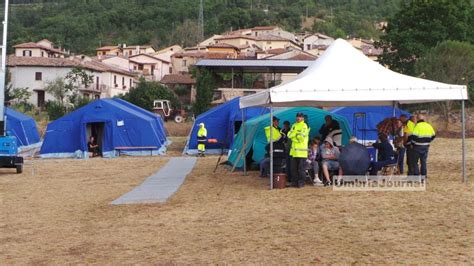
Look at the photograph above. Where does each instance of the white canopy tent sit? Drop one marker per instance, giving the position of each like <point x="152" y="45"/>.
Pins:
<point x="344" y="76"/>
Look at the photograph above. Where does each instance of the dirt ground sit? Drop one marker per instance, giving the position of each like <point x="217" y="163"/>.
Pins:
<point x="61" y="214"/>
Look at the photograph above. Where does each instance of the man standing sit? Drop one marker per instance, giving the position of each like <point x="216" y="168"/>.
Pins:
<point x="407" y="132"/>
<point x="328" y="127"/>
<point x="400" y="143"/>
<point x="423" y="134"/>
<point x="299" y="135"/>
<point x="278" y="148"/>
<point x="202" y="139"/>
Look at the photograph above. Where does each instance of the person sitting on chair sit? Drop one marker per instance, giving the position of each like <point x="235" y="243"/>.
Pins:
<point x="386" y="154"/>
<point x="93" y="147"/>
<point x="312" y="161"/>
<point x="330" y="155"/>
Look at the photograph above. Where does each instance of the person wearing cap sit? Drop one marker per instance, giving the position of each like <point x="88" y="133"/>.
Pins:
<point x="328" y="127"/>
<point x="299" y="135"/>
<point x="407" y="132"/>
<point x="330" y="155"/>
<point x="278" y="149"/>
<point x="423" y="134"/>
<point x="386" y="154"/>
<point x="202" y="139"/>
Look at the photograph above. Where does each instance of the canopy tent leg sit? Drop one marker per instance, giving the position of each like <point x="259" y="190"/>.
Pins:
<point x="271" y="147"/>
<point x="394" y="106"/>
<point x="245" y="140"/>
<point x="463" y="125"/>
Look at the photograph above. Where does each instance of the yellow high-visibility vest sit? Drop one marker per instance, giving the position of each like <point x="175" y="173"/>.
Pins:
<point x="276" y="134"/>
<point x="299" y="135"/>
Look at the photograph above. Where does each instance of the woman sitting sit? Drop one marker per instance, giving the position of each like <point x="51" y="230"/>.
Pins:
<point x="312" y="163"/>
<point x="386" y="154"/>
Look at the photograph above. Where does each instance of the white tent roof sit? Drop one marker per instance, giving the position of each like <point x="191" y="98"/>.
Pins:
<point x="344" y="76"/>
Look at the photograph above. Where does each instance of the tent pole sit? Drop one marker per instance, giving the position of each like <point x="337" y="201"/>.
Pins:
<point x="271" y="146"/>
<point x="394" y="105"/>
<point x="463" y="125"/>
<point x="245" y="141"/>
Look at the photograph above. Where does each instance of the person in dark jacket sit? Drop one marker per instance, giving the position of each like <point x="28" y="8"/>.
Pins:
<point x="386" y="154"/>
<point x="328" y="127"/>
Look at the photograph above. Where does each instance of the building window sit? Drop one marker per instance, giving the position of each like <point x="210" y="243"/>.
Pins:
<point x="308" y="47"/>
<point x="38" y="76"/>
<point x="171" y="70"/>
<point x="97" y="83"/>
<point x="130" y="83"/>
<point x="27" y="53"/>
<point x="184" y="62"/>
<point x="97" y="96"/>
<point x="42" y="54"/>
<point x="86" y="95"/>
<point x="140" y="67"/>
<point x="115" y="80"/>
<point x="123" y="82"/>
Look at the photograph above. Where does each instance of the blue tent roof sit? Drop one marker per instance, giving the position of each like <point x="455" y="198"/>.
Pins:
<point x="222" y="123"/>
<point x="124" y="125"/>
<point x="363" y="120"/>
<point x="255" y="133"/>
<point x="22" y="127"/>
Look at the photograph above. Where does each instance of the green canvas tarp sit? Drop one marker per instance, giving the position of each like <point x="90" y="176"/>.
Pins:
<point x="255" y="135"/>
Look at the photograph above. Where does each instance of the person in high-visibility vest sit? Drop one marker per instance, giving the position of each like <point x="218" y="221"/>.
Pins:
<point x="423" y="134"/>
<point x="299" y="135"/>
<point x="278" y="149"/>
<point x="407" y="132"/>
<point x="202" y="139"/>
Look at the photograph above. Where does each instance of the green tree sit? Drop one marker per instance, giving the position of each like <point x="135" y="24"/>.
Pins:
<point x="419" y="26"/>
<point x="146" y="92"/>
<point x="205" y="86"/>
<point x="59" y="89"/>
<point x="450" y="62"/>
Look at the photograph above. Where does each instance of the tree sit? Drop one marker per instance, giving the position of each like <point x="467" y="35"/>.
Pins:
<point x="419" y="26"/>
<point x="20" y="95"/>
<point x="205" y="86"/>
<point x="450" y="62"/>
<point x="146" y="92"/>
<point x="59" y="89"/>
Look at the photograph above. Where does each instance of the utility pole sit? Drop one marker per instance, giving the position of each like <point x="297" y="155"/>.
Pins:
<point x="201" y="21"/>
<point x="3" y="71"/>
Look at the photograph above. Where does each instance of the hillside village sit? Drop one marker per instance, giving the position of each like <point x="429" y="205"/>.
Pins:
<point x="117" y="68"/>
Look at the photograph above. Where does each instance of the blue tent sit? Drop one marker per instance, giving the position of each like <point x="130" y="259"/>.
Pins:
<point x="114" y="123"/>
<point x="22" y="127"/>
<point x="162" y="135"/>
<point x="255" y="133"/>
<point x="363" y="120"/>
<point x="222" y="123"/>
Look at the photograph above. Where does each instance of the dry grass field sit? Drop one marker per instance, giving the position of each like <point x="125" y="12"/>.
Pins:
<point x="61" y="214"/>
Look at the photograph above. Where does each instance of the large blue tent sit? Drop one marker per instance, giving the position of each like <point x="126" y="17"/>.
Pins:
<point x="22" y="127"/>
<point x="114" y="123"/>
<point x="222" y="123"/>
<point x="363" y="120"/>
<point x="255" y="133"/>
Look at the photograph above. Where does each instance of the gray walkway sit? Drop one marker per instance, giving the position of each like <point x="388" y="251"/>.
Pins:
<point x="162" y="184"/>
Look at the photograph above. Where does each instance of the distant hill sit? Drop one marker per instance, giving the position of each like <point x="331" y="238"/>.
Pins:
<point x="83" y="25"/>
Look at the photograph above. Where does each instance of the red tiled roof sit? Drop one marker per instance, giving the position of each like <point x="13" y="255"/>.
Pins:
<point x="209" y="55"/>
<point x="35" y="45"/>
<point x="178" y="79"/>
<point x="228" y="37"/>
<point x="13" y="61"/>
<point x="269" y="37"/>
<point x="107" y="48"/>
<point x="274" y="51"/>
<point x="151" y="56"/>
<point x="304" y="57"/>
<point x="222" y="45"/>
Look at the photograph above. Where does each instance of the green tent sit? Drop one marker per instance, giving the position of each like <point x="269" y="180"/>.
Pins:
<point x="255" y="134"/>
